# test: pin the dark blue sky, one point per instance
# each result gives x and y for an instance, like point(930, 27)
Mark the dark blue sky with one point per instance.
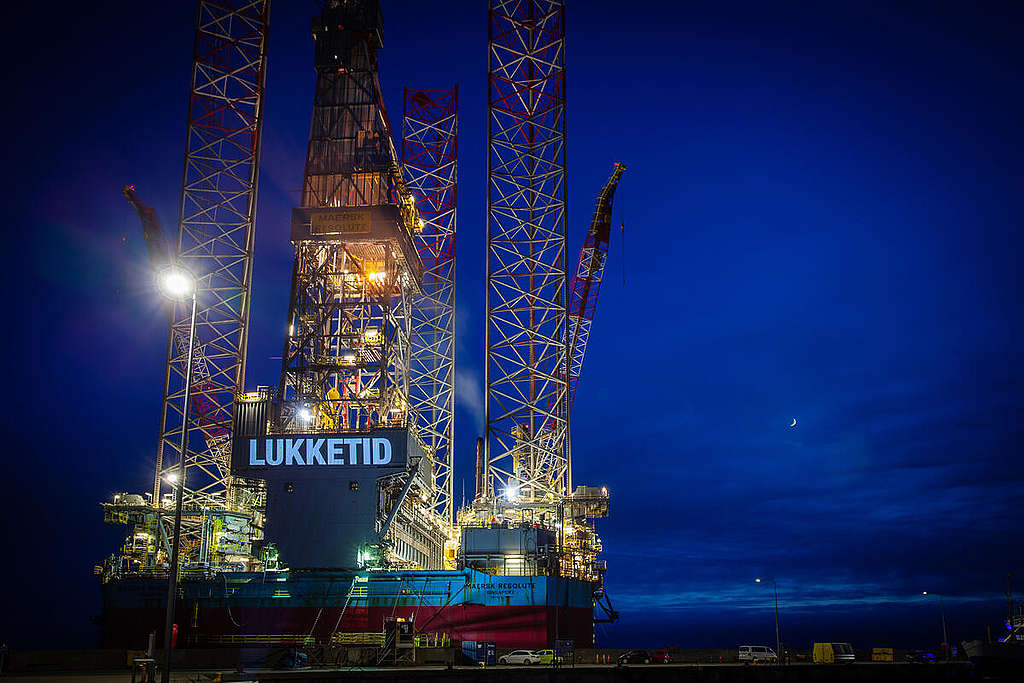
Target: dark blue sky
point(823, 216)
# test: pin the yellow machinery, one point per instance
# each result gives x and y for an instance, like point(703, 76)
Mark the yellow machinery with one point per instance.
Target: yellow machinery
point(833, 653)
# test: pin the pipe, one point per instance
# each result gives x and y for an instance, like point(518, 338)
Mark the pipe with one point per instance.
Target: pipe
point(479, 492)
point(398, 505)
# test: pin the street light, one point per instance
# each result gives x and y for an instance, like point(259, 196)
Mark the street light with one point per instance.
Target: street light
point(778, 638)
point(177, 284)
point(942, 611)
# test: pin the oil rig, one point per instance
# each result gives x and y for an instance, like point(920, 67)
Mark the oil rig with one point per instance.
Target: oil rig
point(320, 510)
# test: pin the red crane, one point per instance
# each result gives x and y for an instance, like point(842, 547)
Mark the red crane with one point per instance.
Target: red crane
point(583, 290)
point(586, 283)
point(212, 420)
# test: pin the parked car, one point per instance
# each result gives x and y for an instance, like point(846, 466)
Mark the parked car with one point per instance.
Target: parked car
point(661, 657)
point(548, 657)
point(833, 653)
point(635, 657)
point(757, 653)
point(920, 657)
point(520, 657)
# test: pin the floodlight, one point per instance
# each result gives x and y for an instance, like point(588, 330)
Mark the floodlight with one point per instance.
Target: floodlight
point(175, 282)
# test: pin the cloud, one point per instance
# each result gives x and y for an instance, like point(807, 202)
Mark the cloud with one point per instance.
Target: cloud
point(469, 396)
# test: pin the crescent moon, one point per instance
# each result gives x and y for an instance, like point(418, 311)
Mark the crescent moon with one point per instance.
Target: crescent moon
point(794, 423)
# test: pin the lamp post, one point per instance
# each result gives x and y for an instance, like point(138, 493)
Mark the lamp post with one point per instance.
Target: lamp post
point(945, 638)
point(778, 638)
point(177, 284)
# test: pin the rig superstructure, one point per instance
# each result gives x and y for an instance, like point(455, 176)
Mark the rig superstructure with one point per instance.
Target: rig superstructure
point(317, 508)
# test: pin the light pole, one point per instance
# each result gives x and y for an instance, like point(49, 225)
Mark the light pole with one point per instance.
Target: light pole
point(945, 638)
point(778, 638)
point(177, 284)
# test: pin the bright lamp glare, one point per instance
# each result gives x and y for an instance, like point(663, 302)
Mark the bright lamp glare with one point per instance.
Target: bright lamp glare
point(172, 477)
point(305, 415)
point(757, 580)
point(176, 283)
point(511, 492)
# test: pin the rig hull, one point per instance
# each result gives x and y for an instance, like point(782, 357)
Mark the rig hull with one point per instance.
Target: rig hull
point(341, 607)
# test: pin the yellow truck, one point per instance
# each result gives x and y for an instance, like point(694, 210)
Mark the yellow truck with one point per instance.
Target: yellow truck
point(833, 653)
point(881, 654)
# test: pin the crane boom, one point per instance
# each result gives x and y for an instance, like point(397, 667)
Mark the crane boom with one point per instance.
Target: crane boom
point(583, 291)
point(156, 245)
point(210, 417)
point(586, 283)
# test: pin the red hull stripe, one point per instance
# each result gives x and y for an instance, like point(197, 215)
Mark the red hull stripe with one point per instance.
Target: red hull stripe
point(509, 627)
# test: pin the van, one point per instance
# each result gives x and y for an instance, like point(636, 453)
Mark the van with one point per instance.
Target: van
point(833, 653)
point(757, 653)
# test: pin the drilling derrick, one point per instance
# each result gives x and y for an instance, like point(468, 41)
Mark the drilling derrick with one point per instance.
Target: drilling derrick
point(345, 361)
point(344, 394)
point(429, 155)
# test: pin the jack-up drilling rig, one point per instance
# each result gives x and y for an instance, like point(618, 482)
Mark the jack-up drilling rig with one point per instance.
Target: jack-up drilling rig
point(330, 517)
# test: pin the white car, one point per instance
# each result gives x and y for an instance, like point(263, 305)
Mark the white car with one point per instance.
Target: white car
point(756, 653)
point(521, 657)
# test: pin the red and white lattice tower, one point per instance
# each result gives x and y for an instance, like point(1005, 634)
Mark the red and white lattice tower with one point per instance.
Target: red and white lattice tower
point(429, 157)
point(215, 242)
point(527, 362)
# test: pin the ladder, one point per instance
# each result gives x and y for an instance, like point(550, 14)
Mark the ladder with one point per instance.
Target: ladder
point(344, 607)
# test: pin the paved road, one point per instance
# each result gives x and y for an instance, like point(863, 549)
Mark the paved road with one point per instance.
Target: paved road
point(206, 675)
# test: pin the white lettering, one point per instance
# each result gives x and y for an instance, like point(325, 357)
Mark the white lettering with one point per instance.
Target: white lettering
point(292, 456)
point(313, 452)
point(381, 451)
point(335, 448)
point(275, 458)
point(353, 452)
point(254, 458)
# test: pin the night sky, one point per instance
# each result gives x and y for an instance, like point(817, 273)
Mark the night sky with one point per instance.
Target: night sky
point(822, 222)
